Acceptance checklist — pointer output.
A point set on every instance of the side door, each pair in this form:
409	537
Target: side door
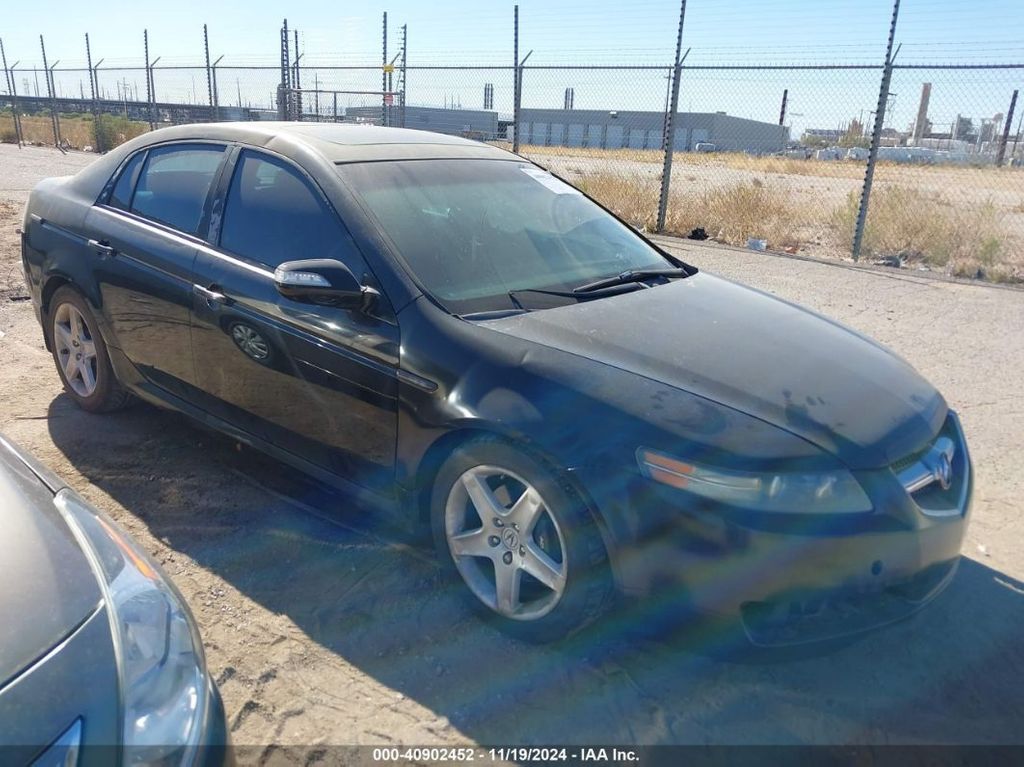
147	226
317	381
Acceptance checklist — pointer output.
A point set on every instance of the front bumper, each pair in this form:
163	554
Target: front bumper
215	745
797	578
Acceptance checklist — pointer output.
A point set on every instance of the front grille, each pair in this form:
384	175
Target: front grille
936	477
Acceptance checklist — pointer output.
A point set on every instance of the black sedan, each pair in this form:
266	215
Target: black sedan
100	659
468	342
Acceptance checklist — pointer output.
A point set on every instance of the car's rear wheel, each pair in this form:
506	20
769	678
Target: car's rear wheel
520	539
81	356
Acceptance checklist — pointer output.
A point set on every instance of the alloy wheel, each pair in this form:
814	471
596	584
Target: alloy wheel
76	349
506	543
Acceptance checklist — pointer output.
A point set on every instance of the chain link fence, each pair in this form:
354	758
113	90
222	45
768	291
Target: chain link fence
762	156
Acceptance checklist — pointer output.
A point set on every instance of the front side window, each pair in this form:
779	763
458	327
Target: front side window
174	183
273	214
474	230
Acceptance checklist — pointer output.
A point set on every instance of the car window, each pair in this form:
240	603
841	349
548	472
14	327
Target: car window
273	214
121	197
174	182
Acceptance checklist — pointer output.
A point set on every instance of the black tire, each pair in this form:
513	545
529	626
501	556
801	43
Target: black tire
108	395
587	586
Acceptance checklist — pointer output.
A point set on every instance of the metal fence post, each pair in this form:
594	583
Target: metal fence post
670	124
9	76
517	81
405	40
298	79
49	92
1001	153
284	95
209	75
216	95
95	96
149	80
876	136
384	73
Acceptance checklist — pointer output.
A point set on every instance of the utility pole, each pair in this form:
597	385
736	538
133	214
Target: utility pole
782	111
876	134
670	123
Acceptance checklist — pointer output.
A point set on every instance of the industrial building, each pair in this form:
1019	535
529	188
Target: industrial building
472	123
694	131
597	128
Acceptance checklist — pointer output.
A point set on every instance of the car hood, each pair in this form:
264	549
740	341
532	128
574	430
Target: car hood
756	354
48	587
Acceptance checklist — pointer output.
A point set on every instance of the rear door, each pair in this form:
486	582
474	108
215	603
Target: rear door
146	229
317	381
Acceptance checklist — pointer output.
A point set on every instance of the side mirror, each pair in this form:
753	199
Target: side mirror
323	281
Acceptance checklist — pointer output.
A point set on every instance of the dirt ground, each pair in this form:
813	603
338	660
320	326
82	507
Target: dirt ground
322	628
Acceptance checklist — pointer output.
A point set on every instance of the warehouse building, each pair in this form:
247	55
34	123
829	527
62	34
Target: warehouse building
694	131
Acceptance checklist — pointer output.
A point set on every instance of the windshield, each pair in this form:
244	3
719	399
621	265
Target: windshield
474	230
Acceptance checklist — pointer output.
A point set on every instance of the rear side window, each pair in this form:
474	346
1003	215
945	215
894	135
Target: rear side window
273	214
121	197
174	183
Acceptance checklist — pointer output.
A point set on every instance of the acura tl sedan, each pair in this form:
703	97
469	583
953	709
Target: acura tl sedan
467	342
100	659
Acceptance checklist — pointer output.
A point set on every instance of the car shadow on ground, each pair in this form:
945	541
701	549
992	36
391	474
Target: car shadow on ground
951	674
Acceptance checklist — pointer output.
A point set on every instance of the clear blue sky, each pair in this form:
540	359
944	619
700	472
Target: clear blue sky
559	32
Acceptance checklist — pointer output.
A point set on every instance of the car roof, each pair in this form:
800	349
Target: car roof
338	143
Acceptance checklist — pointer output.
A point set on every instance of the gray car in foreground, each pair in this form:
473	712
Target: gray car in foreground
100	658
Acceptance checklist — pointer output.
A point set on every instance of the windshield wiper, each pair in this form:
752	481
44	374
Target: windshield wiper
573	294
633	275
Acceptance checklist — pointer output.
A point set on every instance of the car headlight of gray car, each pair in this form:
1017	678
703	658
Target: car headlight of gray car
164	689
834	491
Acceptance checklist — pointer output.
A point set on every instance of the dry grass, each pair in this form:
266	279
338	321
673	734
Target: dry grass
77	131
729	214
918	227
922	228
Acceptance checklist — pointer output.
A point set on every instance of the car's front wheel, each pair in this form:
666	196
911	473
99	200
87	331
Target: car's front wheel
520	539
80	354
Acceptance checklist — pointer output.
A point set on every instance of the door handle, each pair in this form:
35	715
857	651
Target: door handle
212	295
103	249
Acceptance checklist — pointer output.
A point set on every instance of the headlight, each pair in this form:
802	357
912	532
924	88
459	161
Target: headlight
162	669
826	492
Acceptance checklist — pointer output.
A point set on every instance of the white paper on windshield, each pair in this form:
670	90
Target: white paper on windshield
546	179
